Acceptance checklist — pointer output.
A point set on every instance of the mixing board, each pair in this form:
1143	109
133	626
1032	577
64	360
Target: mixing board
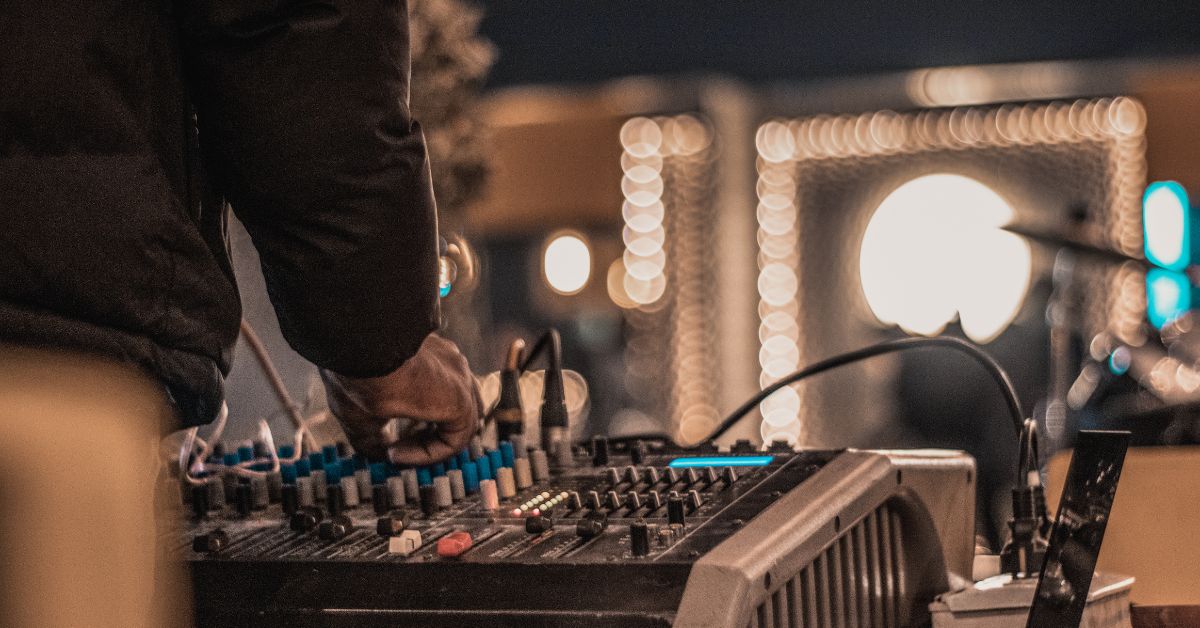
625	535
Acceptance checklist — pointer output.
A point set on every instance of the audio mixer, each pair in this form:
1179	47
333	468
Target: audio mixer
621	534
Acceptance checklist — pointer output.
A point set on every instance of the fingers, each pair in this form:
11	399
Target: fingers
440	440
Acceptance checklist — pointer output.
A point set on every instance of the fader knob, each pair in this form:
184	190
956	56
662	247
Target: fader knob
592	500
729	475
743	446
335	529
538	524
210	543
392	523
305	520
612	500
639	538
653	501
592	524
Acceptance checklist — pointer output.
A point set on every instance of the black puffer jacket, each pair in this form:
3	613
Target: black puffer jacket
125	125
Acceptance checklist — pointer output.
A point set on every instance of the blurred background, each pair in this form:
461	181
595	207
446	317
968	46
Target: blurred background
704	196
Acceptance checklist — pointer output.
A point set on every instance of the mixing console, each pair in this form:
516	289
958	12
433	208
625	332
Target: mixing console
493	535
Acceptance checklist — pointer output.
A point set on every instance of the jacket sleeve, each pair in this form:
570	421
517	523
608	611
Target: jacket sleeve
305	129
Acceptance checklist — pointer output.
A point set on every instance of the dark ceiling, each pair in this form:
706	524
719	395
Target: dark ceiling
572	41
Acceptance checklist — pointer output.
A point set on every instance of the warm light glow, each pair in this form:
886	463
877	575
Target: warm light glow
934	250
567	264
1166	222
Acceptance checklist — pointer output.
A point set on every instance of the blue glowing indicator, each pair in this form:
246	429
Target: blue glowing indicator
1167	225
1168	296
721	461
1119	361
444	290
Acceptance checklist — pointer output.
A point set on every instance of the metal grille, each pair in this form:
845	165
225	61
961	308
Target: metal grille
856	582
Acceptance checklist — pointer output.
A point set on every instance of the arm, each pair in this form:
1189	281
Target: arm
305	127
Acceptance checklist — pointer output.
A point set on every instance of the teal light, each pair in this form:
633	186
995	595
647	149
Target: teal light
1119	361
1167	225
1168	296
721	461
444	290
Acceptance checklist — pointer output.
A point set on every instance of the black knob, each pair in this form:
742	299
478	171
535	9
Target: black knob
289	499
675	509
379	498
633	501
538	524
392	523
691	476
343	449
612	500
710	475
592	524
592	500
210	543
599	451
637	452
694	500
428	500
742	446
334	500
243	499
200	500
639	538
573	501
305	520
335	529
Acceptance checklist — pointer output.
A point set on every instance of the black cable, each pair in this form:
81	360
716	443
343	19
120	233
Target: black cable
993	368
990	365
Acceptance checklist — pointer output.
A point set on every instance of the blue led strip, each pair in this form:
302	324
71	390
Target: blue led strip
721	461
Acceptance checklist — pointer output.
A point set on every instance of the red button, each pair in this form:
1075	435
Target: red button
454	544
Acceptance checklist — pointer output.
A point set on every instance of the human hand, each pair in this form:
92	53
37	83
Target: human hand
434	389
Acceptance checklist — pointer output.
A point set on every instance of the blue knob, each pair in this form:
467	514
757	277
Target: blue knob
245	453
287	472
485	468
439	470
378	473
392	470
330	453
452	462
333	472
464	457
232	460
316	461
286	451
470	477
424	476
360	462
348	466
495	459
506	453
303	468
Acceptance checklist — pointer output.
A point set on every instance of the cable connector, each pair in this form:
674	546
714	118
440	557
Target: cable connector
1025	551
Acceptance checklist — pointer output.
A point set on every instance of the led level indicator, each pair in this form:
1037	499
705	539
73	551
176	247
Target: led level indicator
721	461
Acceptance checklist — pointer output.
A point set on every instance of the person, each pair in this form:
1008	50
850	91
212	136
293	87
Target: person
127	130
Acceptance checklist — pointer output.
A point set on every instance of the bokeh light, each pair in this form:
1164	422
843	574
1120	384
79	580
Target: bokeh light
567	264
